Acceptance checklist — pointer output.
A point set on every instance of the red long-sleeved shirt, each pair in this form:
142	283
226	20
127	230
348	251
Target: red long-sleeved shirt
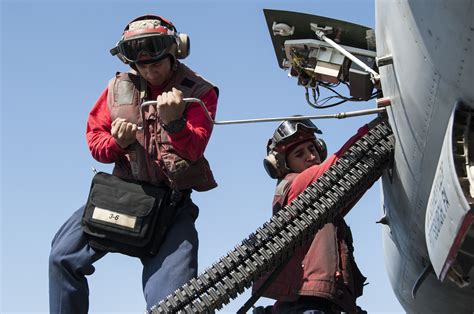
310	175
189	143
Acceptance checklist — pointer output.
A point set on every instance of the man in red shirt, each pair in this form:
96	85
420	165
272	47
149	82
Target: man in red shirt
322	276
160	145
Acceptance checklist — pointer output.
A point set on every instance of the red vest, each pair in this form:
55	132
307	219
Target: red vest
152	158
281	192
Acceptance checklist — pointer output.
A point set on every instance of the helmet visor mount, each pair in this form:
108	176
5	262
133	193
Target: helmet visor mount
287	129
156	46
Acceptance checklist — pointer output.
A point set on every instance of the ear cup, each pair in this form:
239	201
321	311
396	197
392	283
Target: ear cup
184	46
275	165
322	149
270	165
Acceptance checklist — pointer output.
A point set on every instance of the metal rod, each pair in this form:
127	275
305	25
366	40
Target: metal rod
340	115
353	58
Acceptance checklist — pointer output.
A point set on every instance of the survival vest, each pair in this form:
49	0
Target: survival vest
152	158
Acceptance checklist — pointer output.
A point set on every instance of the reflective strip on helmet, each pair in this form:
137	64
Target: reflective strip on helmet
161	30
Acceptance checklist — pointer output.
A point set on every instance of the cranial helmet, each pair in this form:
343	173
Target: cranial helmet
286	136
153	35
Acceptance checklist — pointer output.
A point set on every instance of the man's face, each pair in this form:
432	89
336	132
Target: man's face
156	73
303	156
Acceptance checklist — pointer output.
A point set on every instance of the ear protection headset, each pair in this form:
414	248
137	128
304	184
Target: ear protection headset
153	34
288	134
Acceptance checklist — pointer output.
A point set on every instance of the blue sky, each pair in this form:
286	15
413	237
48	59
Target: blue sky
55	61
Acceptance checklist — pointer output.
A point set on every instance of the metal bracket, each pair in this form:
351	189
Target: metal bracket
384	60
375	77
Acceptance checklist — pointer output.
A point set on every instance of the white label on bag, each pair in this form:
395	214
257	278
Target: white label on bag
114	217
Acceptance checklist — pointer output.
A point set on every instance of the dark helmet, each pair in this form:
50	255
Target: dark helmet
153	35
286	136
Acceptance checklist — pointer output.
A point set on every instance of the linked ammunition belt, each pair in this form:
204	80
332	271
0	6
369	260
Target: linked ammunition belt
292	227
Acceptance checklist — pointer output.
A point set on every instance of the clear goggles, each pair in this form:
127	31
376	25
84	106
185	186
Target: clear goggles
288	128
154	46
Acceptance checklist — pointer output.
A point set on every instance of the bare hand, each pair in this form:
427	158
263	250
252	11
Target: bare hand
170	105
124	132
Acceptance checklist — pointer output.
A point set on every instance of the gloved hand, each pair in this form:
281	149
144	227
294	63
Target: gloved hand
170	105
124	132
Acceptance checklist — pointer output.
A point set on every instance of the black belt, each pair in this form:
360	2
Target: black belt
318	304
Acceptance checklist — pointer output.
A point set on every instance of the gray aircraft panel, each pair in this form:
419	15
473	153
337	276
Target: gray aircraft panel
424	83
447	29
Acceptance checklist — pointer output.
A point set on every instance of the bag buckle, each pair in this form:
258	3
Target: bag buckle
176	197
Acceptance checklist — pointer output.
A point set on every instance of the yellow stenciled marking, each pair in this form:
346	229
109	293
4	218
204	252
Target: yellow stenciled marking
114	217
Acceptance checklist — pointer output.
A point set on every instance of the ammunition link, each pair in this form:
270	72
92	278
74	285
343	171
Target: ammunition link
293	226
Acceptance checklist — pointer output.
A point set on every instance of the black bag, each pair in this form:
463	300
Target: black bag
126	216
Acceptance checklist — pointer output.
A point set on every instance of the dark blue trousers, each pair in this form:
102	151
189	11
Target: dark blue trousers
71	261
307	305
